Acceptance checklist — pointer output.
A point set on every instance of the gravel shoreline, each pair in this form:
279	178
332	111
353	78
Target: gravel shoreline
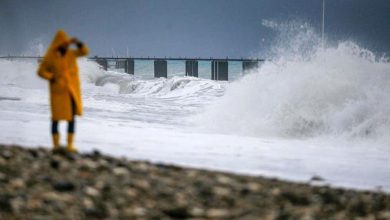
35	184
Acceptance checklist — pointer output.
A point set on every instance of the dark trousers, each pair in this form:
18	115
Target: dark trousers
71	123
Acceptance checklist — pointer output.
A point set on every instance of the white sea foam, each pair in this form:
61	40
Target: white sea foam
308	91
173	87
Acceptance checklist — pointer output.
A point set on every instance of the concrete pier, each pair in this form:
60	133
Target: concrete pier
160	68
219	70
249	65
192	68
219	66
129	66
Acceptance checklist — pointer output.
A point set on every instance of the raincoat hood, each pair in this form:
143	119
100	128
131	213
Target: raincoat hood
60	38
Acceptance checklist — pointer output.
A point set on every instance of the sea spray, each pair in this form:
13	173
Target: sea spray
308	91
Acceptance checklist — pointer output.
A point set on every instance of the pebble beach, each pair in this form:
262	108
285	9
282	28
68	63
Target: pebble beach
37	184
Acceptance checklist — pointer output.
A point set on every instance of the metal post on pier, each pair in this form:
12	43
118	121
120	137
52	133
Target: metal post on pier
192	68
103	63
160	68
219	70
249	65
129	66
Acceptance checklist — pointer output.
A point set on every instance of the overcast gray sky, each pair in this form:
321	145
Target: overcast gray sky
217	28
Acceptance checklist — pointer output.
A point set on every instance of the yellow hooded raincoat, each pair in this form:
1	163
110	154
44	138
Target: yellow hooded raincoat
62	73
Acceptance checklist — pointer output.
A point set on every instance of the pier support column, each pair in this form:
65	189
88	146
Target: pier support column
219	70
160	68
192	68
103	63
120	64
129	66
249	65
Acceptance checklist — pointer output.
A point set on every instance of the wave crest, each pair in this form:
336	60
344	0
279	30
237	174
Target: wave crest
337	91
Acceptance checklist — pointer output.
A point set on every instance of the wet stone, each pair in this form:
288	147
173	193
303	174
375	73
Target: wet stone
142	184
221	191
223	179
295	198
197	212
135	211
94	212
177	212
3	177
3	161
34	153
17	204
44	178
64	186
41	217
120	171
87	164
5	203
217	213
55	197
17	183
55	164
90	191
7	154
34	204
253	187
96	153
132	193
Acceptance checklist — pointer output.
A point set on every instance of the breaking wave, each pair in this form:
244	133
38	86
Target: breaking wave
308	91
161	87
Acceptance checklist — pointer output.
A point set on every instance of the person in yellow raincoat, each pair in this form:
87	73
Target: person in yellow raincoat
59	67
